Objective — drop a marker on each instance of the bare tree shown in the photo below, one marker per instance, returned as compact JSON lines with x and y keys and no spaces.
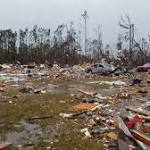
{"x":99,"y":42}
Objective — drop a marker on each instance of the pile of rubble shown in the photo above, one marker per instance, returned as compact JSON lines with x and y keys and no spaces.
{"x":121,"y":120}
{"x":75,"y":72}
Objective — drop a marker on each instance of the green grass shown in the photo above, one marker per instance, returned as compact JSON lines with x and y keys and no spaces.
{"x":30,"y":105}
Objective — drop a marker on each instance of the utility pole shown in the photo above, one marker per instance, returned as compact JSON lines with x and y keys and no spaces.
{"x":131,"y":36}
{"x":143,"y":43}
{"x":99,"y":40}
{"x":79,"y":37}
{"x":85,"y":17}
{"x":130,"y":27}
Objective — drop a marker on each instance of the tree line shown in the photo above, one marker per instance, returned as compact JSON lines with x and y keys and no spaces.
{"x":40,"y":45}
{"x":63,"y":46}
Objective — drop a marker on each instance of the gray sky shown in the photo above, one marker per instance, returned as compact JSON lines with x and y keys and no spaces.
{"x":50,"y":13}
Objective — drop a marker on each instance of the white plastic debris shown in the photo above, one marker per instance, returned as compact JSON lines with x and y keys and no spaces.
{"x":43,"y":92}
{"x":64,"y":115}
{"x":119,"y":83}
{"x":86,"y":132}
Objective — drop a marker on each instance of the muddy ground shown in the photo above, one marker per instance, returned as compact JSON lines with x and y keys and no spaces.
{"x":54,"y":133}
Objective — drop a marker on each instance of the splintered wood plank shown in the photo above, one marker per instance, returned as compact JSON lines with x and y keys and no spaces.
{"x":40,"y":117}
{"x":143,"y":112}
{"x":5,"y":146}
{"x":86,"y":93}
{"x":141,"y":137}
{"x":83,"y":106}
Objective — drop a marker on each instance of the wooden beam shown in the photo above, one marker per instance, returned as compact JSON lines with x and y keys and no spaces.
{"x":143,"y":112}
{"x":140,"y":100}
{"x":141,"y":137}
{"x":124,"y":128}
{"x":86,"y":93}
{"x":40,"y":117}
{"x":5,"y":146}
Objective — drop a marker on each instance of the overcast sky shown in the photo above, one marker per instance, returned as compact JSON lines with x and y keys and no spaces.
{"x":50,"y":13}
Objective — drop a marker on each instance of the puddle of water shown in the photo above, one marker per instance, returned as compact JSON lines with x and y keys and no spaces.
{"x":67,"y":88}
{"x":29,"y":132}
{"x":32,"y":134}
{"x":12,"y":77}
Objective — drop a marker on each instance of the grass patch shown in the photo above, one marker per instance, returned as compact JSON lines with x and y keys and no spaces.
{"x":30,"y":105}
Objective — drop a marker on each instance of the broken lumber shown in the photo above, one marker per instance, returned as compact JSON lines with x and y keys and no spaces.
{"x":92,"y":94}
{"x":40,"y":117}
{"x":5,"y":146}
{"x":140,"y":100}
{"x":83,"y":106}
{"x":86,"y":93}
{"x":146,"y":129}
{"x":124,"y":128}
{"x":80,"y":113}
{"x":112,"y":135}
{"x":144,"y":117}
{"x":143,"y":112}
{"x":141,"y":137}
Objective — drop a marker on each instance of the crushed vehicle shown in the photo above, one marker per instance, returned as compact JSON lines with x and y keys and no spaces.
{"x":100,"y":68}
{"x":143,"y":68}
